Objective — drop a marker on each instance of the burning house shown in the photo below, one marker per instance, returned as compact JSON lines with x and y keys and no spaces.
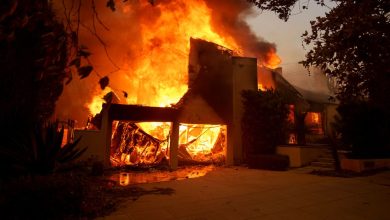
{"x":182,"y":99}
{"x":204,"y":126}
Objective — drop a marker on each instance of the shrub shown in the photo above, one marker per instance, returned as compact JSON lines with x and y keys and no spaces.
{"x":364,"y":129}
{"x":264,"y":123}
{"x":39,"y":153}
{"x":270,"y":162}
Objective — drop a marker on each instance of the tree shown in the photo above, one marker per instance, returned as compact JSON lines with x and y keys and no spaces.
{"x":36,"y":55}
{"x":264,"y":126}
{"x":350,"y":43}
{"x":33,"y":59}
{"x":364,"y":130}
{"x":265,"y":121}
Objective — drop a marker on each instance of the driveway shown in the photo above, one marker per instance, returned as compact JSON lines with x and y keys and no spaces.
{"x":241,"y":193}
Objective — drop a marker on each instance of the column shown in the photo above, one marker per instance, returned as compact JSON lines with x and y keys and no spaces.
{"x":174,"y":145}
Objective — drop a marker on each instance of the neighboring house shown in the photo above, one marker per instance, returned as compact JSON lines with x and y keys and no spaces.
{"x":312,"y":112}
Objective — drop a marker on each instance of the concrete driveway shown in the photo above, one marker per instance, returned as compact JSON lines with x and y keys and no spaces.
{"x":241,"y":193}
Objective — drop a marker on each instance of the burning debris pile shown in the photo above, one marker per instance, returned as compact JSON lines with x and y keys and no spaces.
{"x":202,"y":144}
{"x":131,"y":145}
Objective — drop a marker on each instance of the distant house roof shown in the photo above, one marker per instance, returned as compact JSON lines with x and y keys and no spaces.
{"x":304,"y":99}
{"x":316,"y":97}
{"x":293,"y":95}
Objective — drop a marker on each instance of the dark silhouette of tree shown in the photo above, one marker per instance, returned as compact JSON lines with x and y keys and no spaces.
{"x":265,"y":121}
{"x":37,"y":54}
{"x":33,"y":59}
{"x":282,"y":8}
{"x":351,"y":43}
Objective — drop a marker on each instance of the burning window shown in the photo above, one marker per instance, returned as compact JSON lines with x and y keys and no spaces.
{"x":313,"y":121}
{"x":147,"y":144}
{"x":292,"y":136}
{"x":202,"y":143}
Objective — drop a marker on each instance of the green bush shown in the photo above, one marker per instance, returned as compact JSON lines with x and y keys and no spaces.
{"x":264,"y":123}
{"x":364,"y":129}
{"x":269,"y":162}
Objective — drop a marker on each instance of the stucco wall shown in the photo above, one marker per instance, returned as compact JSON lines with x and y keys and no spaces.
{"x":244,"y":78}
{"x":97,"y":141}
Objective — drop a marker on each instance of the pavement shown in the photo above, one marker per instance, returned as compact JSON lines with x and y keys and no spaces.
{"x":242,"y":193}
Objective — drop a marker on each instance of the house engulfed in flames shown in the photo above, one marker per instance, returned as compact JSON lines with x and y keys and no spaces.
{"x":203,"y":127}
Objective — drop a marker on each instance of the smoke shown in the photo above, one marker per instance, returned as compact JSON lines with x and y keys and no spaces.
{"x":144,"y":52}
{"x":228,"y":18}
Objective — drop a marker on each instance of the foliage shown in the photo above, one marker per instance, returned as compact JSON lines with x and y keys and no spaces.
{"x":364,"y":129}
{"x":41,"y":153}
{"x":282,"y":8}
{"x":47,"y":152}
{"x":35,"y":53}
{"x":33,"y":57}
{"x":264,"y":123}
{"x":351,"y":44}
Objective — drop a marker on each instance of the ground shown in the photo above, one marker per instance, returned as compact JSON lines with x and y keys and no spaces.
{"x":241,"y":193}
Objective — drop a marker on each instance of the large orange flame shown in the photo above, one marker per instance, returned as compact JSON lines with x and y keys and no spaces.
{"x":273,"y":60}
{"x":158,"y":75}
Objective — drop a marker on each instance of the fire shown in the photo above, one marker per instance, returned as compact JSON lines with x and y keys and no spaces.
{"x":314,"y":122}
{"x":197,"y":143}
{"x":315,"y":117}
{"x":273,"y":60}
{"x":157,"y":73}
{"x":95,"y":106}
{"x":160,"y":73}
{"x":261,"y":87}
{"x":200,"y":140}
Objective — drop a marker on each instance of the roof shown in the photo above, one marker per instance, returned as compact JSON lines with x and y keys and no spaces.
{"x":316,"y":96}
{"x":305,"y":100}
